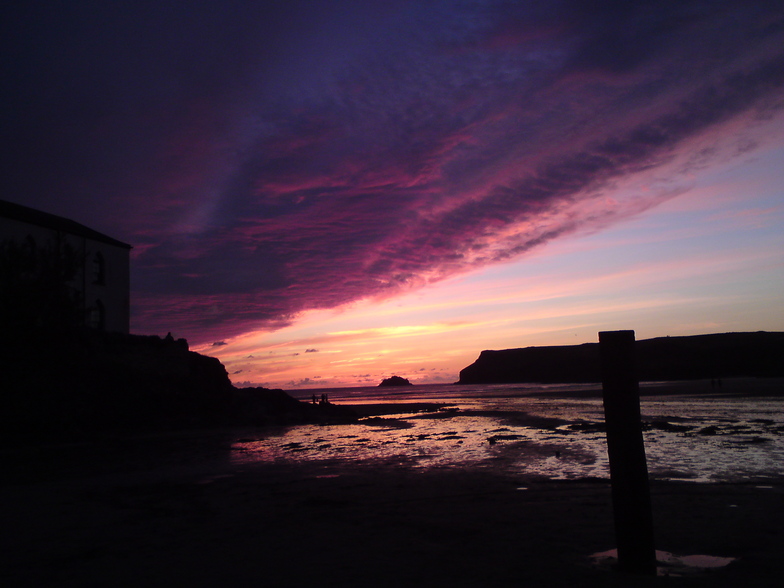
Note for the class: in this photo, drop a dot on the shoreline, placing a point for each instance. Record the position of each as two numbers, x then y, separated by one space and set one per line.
748 386
42 459
175 509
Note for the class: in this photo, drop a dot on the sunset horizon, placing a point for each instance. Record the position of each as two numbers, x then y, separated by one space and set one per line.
326 195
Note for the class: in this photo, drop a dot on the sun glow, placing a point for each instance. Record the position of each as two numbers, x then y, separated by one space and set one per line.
710 260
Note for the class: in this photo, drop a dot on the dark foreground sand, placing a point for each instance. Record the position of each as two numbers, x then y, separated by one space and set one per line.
355 525
174 511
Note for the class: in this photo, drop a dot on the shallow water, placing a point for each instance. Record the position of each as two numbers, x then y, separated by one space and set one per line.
555 432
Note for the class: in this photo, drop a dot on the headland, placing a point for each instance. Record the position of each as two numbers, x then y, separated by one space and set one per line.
724 355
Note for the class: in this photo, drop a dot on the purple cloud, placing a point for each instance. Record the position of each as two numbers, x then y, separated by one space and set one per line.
269 158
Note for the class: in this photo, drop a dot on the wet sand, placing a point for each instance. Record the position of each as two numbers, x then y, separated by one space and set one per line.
175 511
348 525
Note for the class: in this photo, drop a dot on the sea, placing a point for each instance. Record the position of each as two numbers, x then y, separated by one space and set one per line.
705 431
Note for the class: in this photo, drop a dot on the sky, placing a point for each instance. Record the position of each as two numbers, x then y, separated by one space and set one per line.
325 193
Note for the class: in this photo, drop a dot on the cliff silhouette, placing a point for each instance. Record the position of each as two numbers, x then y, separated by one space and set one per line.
74 384
724 355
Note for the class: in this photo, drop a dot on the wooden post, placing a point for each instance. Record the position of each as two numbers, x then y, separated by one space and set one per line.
631 495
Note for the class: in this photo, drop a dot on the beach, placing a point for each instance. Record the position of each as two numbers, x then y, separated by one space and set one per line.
180 510
295 526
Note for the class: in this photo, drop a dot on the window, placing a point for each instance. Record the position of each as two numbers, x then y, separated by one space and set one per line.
97 317
99 269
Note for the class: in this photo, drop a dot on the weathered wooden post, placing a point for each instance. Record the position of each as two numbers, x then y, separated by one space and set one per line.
631 495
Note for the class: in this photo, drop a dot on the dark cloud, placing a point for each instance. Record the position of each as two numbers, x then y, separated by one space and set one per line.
268 158
304 382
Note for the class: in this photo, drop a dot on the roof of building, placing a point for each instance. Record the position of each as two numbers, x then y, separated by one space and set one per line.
52 221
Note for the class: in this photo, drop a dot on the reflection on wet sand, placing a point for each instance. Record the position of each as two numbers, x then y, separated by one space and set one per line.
557 435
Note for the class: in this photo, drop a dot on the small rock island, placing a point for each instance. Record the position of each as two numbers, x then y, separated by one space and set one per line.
395 381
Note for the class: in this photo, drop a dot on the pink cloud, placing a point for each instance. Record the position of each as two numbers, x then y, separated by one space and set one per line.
264 166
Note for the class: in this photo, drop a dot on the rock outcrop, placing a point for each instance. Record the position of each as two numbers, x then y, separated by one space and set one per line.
395 381
664 358
82 383
262 406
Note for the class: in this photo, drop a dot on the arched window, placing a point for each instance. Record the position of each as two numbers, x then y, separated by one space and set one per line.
99 269
97 318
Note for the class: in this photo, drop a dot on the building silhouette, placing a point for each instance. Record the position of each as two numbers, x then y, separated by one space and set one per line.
97 276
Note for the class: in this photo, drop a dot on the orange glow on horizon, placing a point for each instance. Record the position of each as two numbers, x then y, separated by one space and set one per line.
709 260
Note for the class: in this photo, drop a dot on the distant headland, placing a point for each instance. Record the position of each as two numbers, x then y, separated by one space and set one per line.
722 355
